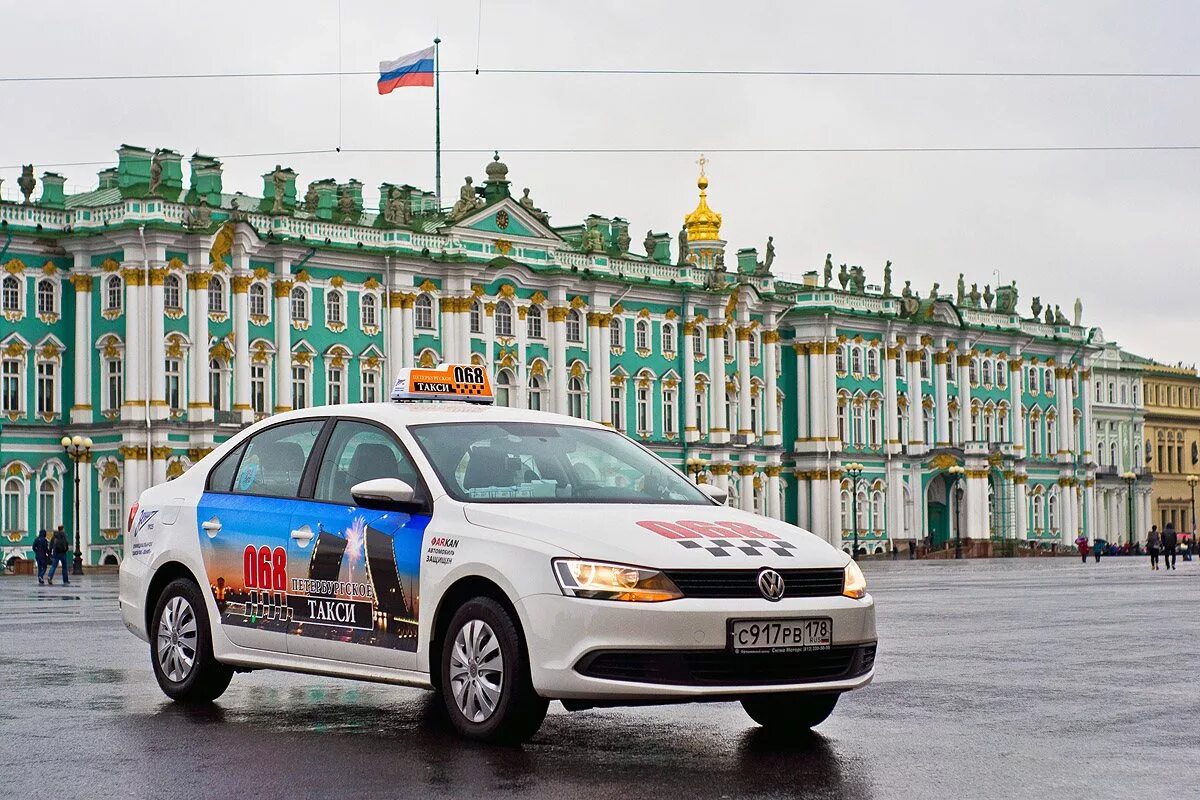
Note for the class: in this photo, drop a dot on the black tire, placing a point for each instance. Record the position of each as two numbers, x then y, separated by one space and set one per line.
516 710
798 711
206 678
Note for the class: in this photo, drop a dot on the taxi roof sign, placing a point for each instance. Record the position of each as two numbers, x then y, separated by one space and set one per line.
463 382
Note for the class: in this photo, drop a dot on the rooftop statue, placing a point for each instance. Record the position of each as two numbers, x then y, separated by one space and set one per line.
1006 298
1049 315
843 276
828 269
1036 306
1059 317
467 201
719 264
887 279
907 290
396 210
769 258
933 293
684 251
650 244
973 296
155 173
593 242
26 183
204 213
858 280
962 290
345 203
987 295
1078 312
311 198
526 202
279 184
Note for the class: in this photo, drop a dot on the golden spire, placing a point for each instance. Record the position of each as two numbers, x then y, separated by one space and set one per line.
703 223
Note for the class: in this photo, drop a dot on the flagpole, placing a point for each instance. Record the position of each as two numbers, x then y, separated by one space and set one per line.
437 124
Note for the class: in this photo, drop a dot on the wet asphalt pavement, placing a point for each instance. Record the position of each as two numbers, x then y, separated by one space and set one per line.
995 679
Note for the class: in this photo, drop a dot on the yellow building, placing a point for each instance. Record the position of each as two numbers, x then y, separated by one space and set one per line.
1173 442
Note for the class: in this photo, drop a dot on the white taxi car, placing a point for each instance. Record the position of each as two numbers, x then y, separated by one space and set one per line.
502 557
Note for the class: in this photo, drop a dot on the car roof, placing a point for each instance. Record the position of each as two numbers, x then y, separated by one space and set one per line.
414 413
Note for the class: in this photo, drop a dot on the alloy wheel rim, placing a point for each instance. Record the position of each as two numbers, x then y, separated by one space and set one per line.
476 670
177 639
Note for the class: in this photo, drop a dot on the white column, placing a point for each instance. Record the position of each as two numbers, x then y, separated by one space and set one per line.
772 435
241 346
818 512
463 314
1089 504
941 411
399 345
408 352
964 394
891 408
135 350
446 322
746 487
894 511
773 506
819 395
830 397
803 510
1065 419
1021 505
84 352
1016 422
557 316
718 422
1086 447
283 340
85 521
597 376
605 352
199 406
802 406
916 428
522 375
691 431
158 350
744 332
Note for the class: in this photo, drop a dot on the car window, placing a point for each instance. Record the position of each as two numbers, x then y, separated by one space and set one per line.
504 462
275 459
357 452
221 477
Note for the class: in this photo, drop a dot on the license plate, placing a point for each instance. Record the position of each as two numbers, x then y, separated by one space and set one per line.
780 635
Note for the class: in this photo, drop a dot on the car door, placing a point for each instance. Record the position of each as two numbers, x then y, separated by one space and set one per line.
358 599
244 521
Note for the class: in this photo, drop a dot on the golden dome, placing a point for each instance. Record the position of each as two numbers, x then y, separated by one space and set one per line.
703 223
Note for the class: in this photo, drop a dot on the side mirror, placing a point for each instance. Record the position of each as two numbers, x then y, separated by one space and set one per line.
714 493
383 493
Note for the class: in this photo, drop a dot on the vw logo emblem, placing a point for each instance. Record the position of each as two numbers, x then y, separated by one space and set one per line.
770 583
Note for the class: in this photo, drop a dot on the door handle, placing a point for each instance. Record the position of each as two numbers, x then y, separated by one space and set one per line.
211 526
303 535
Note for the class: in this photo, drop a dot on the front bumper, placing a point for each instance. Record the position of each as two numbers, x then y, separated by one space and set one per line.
583 649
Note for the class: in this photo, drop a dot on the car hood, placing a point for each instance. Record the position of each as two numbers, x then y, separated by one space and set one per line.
661 536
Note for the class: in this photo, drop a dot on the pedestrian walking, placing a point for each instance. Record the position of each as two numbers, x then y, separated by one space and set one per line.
1153 543
1170 543
58 555
41 554
1082 543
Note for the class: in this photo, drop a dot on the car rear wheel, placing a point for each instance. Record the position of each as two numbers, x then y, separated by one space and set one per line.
794 711
181 646
485 682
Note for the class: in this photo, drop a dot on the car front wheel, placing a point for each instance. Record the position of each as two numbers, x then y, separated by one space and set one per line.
181 646
795 711
485 681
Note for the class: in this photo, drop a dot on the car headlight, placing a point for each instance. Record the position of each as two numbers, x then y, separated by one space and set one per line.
597 580
855 583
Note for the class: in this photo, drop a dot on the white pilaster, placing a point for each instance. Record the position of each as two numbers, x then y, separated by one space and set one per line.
136 332
1016 422
241 345
199 406
744 332
891 408
557 316
158 351
718 432
964 393
746 487
84 353
691 431
282 291
772 436
941 411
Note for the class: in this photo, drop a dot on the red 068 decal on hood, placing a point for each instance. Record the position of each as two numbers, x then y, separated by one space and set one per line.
720 538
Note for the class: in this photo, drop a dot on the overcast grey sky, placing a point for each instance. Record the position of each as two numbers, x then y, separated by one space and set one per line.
1120 230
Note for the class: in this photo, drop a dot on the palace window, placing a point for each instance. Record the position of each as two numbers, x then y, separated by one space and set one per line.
1051 435
258 388
872 362
369 385
641 334
258 300
504 318
857 437
856 360
299 302
504 388
669 400
11 294
839 360
841 421
668 337
111 505
973 372
476 317
927 425
423 312
698 342
47 388
112 293
46 299
701 401
987 372
1052 512
299 386
14 505
926 366
755 414
173 372
732 422
48 505
645 423
574 327
617 403
216 295
754 350
730 343
537 392
533 322
218 387
334 304
172 293
368 310
575 395
10 385
1002 374
335 385
873 428
114 384
616 333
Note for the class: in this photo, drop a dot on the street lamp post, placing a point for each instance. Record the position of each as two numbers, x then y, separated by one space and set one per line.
695 467
1130 478
854 470
78 449
956 473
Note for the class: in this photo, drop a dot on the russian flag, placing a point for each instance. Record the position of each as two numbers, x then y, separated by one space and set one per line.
414 69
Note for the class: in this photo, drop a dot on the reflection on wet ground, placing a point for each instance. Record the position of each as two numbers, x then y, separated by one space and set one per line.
996 679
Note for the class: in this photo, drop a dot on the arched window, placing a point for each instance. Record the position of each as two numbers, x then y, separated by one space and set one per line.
857 423
927 425
872 362
701 403
1112 449
1052 512
973 372
987 372
504 318
299 301
856 360
533 322
11 293
839 359
843 432
617 403
873 429
755 410
258 299
216 295
698 340
644 412
368 310
46 297
616 333
1002 374
112 293
1035 444
423 312
537 392
1051 434
111 502
335 383
173 293
476 317
334 307
1038 521
730 343
575 397
877 511
668 337
846 511
14 506
48 505
574 326
504 387
218 373
1124 394
1099 392
300 385
669 396
641 334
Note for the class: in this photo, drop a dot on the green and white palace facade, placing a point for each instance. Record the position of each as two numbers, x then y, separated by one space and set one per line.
159 313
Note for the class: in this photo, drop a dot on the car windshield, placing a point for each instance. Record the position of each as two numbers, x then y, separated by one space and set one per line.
538 462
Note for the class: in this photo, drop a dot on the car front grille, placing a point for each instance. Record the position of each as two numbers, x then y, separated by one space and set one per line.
741 583
725 668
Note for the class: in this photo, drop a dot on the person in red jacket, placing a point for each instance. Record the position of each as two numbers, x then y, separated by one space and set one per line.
1082 544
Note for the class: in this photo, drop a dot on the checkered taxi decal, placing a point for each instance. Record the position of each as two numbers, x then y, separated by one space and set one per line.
721 538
